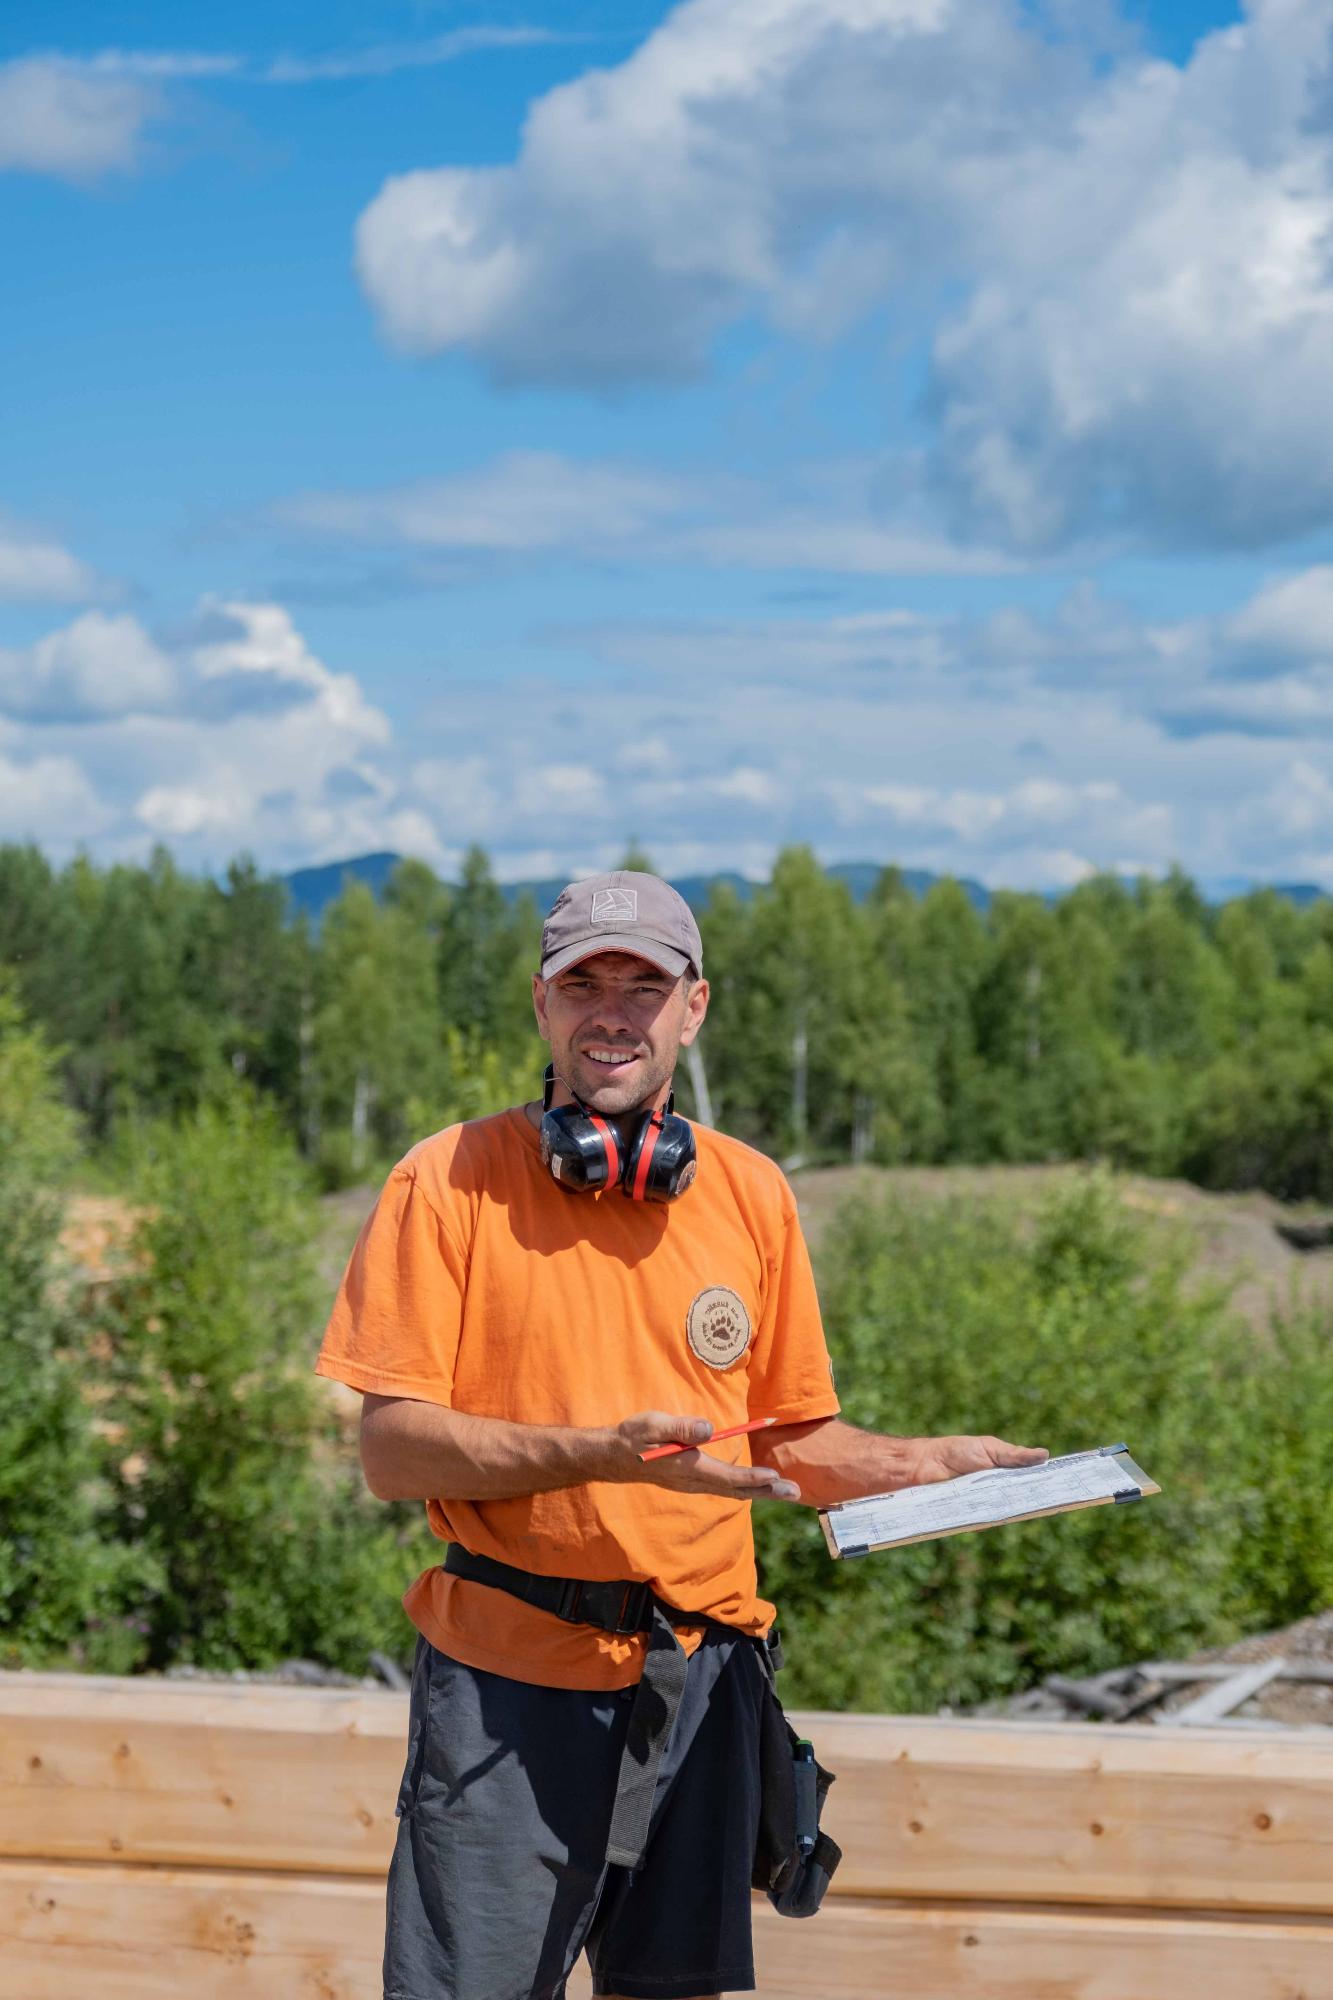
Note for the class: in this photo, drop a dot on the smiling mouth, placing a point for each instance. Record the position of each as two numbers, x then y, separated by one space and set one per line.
610 1058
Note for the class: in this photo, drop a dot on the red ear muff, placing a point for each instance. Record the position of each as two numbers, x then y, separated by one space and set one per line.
661 1163
612 1150
642 1156
584 1153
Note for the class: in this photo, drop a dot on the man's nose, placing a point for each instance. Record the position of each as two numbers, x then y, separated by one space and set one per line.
611 1015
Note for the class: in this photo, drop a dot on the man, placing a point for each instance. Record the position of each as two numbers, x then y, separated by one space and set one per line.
526 1321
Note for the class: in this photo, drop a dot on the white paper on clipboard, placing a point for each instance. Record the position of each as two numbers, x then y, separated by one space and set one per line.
984 1500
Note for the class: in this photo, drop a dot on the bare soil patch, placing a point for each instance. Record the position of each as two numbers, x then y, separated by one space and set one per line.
1234 1237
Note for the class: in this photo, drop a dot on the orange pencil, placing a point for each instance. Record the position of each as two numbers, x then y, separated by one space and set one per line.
666 1450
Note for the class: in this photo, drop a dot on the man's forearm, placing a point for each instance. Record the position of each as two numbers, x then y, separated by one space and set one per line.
422 1451
832 1461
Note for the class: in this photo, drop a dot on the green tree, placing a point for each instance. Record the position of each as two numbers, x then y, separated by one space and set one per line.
941 977
36 948
488 951
236 1485
1172 994
140 1017
62 1583
788 974
376 1039
249 971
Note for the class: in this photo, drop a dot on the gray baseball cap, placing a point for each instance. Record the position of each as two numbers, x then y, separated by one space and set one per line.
626 911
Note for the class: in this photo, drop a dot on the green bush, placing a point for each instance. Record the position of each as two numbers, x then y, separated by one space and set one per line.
1284 1568
234 1481
61 1582
1079 1332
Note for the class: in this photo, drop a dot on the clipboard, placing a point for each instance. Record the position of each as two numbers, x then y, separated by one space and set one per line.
1105 1477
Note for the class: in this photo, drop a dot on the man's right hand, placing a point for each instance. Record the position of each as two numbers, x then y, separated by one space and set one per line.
691 1471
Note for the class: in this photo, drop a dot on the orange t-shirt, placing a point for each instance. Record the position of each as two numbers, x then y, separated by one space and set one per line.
479 1284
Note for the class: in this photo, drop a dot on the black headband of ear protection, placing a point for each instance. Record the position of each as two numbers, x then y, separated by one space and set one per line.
585 1152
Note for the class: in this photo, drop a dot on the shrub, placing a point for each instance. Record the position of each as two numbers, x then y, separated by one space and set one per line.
1079 1333
1284 1567
234 1479
61 1582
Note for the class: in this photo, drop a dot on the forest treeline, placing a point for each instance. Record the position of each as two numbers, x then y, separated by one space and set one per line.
1126 1022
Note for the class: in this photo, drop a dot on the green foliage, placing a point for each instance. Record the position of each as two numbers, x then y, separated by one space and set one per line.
477 1079
233 1480
487 952
1124 1023
375 1032
61 1583
1074 1332
1284 1568
174 1486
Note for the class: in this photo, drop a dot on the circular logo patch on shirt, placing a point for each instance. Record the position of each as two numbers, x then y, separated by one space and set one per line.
718 1326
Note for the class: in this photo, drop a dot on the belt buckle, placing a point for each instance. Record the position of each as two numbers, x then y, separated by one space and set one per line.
634 1608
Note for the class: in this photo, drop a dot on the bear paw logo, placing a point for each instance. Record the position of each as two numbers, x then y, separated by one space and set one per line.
718 1326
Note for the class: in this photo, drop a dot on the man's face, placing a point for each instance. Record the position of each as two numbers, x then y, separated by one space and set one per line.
615 1024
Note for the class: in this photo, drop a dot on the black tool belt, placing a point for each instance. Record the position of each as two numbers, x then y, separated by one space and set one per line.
793 1859
612 1607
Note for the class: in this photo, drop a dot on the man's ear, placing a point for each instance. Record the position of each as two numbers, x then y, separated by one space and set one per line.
696 1006
539 1006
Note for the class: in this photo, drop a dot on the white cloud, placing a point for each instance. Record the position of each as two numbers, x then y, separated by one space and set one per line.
1158 360
751 787
1119 265
530 504
1025 749
64 119
751 152
230 734
262 758
155 65
523 501
1288 622
388 58
46 798
81 116
35 571
99 666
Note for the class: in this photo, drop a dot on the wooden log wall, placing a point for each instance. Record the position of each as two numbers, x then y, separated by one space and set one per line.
179 1841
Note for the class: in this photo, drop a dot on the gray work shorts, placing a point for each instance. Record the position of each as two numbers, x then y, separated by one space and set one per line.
499 1877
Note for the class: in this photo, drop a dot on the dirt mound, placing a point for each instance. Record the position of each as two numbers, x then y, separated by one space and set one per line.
96 1234
1236 1237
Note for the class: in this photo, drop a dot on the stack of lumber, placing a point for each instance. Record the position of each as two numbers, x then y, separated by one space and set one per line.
165 1841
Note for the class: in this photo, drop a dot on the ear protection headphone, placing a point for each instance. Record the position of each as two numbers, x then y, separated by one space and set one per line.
584 1152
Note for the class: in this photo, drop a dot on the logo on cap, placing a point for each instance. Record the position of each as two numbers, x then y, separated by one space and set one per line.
615 906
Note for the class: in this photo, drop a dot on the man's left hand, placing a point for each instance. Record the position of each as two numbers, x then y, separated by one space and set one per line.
950 1457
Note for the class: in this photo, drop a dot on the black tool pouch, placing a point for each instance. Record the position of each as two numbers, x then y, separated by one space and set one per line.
793 1861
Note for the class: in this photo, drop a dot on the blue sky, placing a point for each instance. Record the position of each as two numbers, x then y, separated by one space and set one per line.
901 425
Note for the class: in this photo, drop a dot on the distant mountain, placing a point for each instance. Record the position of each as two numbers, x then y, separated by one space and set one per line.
1226 888
861 877
313 889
